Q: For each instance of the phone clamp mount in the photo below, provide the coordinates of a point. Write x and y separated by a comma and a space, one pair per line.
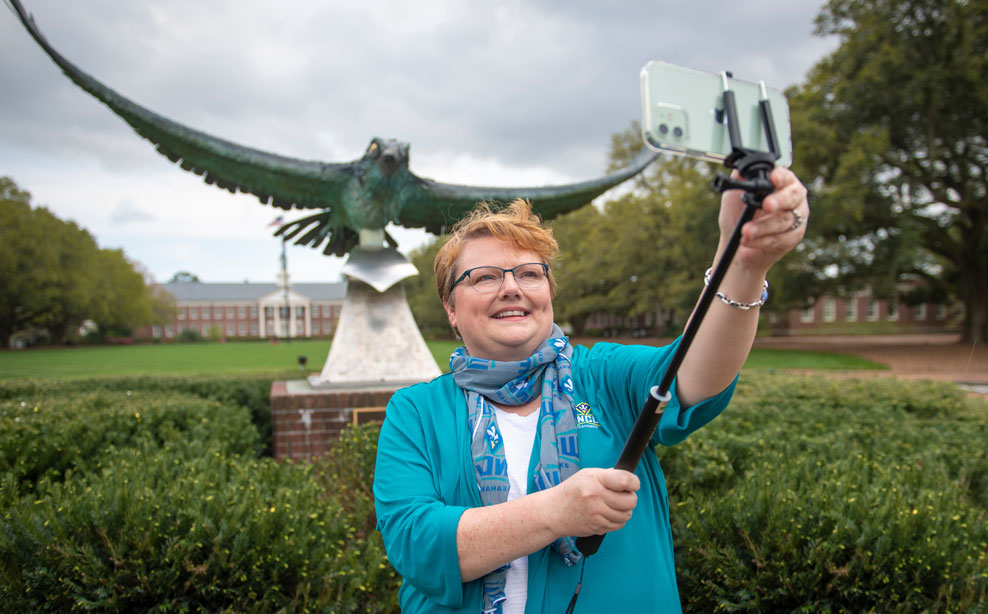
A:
754, 168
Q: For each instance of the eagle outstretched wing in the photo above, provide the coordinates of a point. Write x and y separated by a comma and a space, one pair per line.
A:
281, 181
435, 206
365, 193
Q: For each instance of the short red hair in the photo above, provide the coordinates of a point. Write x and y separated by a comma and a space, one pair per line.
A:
516, 224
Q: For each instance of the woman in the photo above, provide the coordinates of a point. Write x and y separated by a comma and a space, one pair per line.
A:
485, 475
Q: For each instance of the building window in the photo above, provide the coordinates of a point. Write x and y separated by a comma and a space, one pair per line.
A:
268, 313
283, 312
327, 311
300, 312
829, 310
169, 332
253, 311
253, 329
941, 312
217, 313
242, 330
230, 330
807, 314
230, 313
851, 310
205, 330
893, 313
242, 312
872, 310
181, 313
327, 328
920, 312
181, 328
156, 331
193, 313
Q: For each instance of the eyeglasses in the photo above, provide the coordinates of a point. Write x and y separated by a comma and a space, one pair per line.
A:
487, 279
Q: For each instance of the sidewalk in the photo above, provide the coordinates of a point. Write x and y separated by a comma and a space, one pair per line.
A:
934, 357
914, 357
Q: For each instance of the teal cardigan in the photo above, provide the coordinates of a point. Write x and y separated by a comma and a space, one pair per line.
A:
424, 480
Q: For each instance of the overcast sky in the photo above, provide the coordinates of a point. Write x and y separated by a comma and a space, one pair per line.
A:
511, 93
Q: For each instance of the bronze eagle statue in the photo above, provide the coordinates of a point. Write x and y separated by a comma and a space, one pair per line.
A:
366, 193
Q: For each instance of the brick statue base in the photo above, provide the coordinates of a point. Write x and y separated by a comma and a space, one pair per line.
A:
305, 420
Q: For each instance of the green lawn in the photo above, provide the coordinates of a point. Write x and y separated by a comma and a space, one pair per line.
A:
799, 359
260, 356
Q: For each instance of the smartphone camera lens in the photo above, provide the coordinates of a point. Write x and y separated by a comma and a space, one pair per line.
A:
664, 129
678, 132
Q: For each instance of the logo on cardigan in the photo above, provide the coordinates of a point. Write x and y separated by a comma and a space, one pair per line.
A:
585, 417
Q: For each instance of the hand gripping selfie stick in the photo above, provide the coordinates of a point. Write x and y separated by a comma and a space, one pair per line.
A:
754, 167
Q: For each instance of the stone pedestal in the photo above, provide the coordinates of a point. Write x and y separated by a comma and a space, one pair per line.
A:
377, 349
376, 342
305, 420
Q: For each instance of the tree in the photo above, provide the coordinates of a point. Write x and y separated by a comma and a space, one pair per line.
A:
21, 255
130, 301
71, 294
890, 135
184, 277
583, 280
46, 267
163, 304
53, 275
421, 292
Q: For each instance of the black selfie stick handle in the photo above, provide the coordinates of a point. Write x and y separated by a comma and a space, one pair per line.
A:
754, 167
651, 413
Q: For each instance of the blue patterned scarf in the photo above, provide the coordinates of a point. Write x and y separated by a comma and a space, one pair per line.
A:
546, 372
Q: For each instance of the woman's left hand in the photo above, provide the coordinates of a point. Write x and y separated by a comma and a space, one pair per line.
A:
776, 228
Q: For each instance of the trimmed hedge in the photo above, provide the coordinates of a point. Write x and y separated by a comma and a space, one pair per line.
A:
824, 495
46, 437
807, 495
252, 392
163, 532
154, 500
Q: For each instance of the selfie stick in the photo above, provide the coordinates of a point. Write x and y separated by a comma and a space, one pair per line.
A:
754, 167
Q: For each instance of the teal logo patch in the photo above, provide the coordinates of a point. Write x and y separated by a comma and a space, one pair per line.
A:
585, 417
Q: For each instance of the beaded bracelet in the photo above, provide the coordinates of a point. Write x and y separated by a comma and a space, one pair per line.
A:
734, 303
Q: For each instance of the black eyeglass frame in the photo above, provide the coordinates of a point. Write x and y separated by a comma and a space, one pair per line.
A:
545, 270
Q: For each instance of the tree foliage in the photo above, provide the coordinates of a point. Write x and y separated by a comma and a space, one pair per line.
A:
890, 135
184, 277
53, 276
643, 251
421, 292
646, 249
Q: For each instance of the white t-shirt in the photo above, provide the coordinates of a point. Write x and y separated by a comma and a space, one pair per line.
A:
518, 437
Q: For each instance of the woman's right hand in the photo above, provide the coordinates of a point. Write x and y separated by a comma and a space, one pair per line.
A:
589, 502
595, 501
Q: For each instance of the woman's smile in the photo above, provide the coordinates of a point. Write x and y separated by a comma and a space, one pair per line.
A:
510, 313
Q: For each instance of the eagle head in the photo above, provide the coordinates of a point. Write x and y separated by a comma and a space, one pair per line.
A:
389, 154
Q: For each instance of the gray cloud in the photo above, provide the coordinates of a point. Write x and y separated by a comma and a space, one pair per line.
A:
127, 213
528, 84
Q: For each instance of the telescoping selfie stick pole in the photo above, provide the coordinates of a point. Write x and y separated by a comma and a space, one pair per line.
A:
754, 167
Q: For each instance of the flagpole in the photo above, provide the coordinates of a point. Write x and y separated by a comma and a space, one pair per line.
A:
279, 222
288, 305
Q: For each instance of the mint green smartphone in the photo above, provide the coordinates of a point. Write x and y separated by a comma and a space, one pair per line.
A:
682, 113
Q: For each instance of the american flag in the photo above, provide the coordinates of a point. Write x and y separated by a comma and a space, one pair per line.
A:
278, 221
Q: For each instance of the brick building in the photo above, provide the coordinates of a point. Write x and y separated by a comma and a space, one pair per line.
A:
860, 313
863, 313
252, 310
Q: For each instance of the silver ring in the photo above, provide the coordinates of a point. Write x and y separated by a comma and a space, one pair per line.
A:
798, 222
